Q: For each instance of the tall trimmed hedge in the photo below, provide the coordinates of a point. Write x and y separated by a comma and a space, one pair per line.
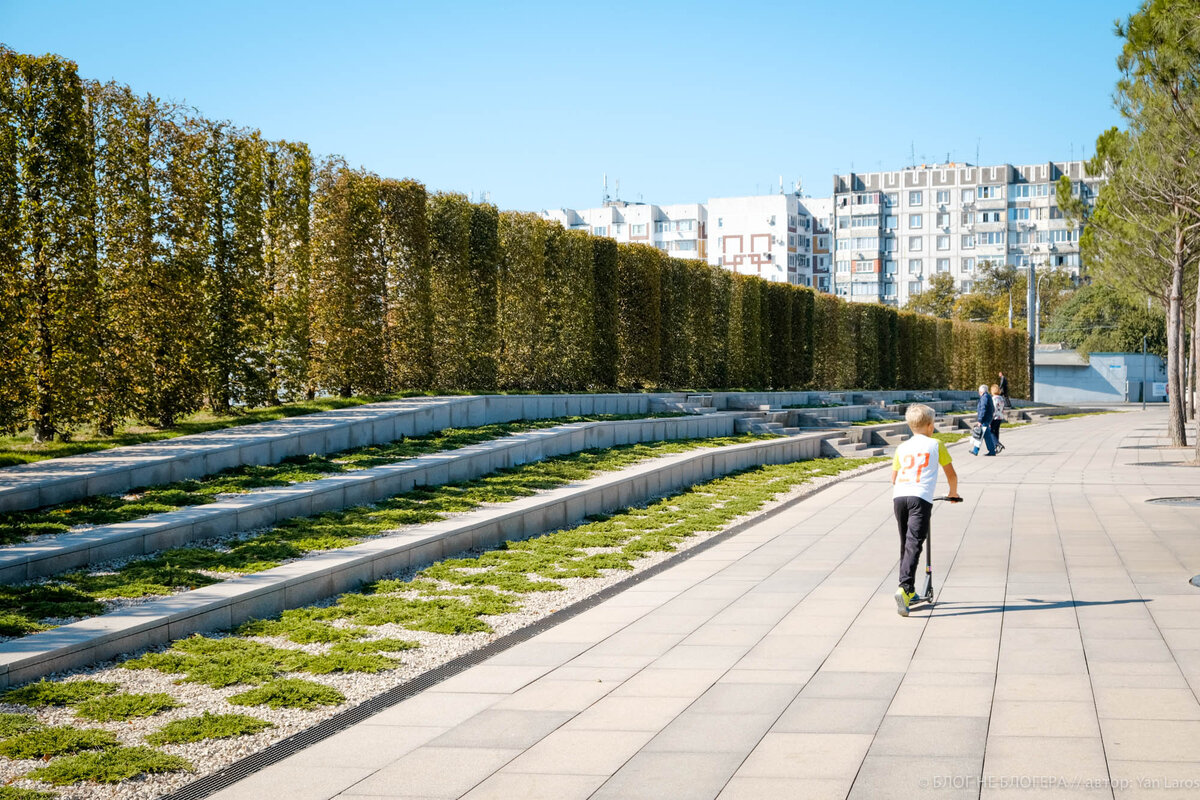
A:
153, 261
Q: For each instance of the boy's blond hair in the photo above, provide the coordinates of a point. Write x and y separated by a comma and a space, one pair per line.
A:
918, 416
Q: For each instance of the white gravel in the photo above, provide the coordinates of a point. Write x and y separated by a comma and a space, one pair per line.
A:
436, 649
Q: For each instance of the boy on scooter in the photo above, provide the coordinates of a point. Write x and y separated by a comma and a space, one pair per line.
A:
914, 478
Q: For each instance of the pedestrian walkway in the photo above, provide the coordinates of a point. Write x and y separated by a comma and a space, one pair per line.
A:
1062, 659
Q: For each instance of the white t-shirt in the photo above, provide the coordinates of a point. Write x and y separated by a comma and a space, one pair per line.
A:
916, 465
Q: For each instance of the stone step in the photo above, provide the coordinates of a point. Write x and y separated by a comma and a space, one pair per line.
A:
299, 583
51, 555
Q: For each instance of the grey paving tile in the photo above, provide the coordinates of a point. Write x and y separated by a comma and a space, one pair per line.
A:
693, 732
680, 776
527, 786
919, 737
888, 777
442, 772
497, 729
833, 715
580, 752
296, 781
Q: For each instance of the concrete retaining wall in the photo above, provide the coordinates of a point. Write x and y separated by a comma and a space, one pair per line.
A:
308, 580
266, 508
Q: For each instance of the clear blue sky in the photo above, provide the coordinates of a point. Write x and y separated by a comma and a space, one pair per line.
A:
680, 101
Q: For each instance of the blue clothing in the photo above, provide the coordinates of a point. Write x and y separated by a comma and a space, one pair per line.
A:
986, 410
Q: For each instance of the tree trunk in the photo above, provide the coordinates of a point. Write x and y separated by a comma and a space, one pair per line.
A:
1190, 386
1196, 362
1176, 424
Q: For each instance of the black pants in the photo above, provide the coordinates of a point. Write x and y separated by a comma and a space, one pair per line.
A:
912, 518
996, 423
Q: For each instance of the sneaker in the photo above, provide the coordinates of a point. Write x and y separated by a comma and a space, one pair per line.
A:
904, 600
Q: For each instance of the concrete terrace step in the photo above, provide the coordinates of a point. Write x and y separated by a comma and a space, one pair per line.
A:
845, 448
57, 554
305, 581
61, 480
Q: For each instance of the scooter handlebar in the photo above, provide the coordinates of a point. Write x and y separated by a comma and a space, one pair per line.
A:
949, 499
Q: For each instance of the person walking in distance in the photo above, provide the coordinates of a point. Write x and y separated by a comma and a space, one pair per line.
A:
999, 406
915, 470
1004, 390
984, 412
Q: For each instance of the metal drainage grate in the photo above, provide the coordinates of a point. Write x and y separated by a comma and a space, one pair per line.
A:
1191, 502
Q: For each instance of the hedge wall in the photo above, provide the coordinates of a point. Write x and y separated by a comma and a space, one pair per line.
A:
158, 261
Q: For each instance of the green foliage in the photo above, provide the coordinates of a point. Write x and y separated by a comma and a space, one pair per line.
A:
639, 316
109, 766
457, 319
605, 352
938, 299
12, 724
208, 726
55, 741
122, 707
290, 693
58, 693
1103, 319
521, 357
13, 793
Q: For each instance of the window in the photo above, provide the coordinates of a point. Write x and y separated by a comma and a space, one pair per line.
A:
1019, 237
685, 225
914, 266
687, 244
943, 220
1062, 236
1041, 237
992, 237
843, 266
865, 243
943, 196
864, 222
990, 192
943, 243
1019, 260
915, 221
889, 290
864, 266
891, 199
1055, 212
889, 244
943, 265
968, 241
966, 286
1018, 214
890, 222
1018, 191
1039, 190
866, 199
968, 195
720, 222
914, 243
843, 222
967, 265
843, 244
862, 289
914, 198
889, 268
600, 230
968, 218
638, 229
914, 287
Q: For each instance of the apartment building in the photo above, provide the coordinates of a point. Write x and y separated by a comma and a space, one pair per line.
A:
765, 235
892, 231
679, 230
821, 210
771, 236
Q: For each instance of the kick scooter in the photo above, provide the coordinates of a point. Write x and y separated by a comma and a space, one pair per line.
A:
926, 596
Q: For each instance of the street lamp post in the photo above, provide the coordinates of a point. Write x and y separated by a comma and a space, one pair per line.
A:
1030, 302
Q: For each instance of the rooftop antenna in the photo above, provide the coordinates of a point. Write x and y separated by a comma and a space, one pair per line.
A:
912, 153
781, 184
604, 197
618, 190
977, 151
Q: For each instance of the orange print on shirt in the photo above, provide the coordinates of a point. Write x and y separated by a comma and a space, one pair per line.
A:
907, 467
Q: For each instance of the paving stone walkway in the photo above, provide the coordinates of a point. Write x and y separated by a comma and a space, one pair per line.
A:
1062, 659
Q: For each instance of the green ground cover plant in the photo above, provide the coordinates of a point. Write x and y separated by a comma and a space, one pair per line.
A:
207, 726
12, 724
289, 693
19, 526
55, 741
122, 707
13, 793
815, 405
108, 766
58, 693
27, 608
950, 438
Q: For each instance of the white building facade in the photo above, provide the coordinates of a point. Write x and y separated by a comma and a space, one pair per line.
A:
678, 230
771, 236
892, 231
